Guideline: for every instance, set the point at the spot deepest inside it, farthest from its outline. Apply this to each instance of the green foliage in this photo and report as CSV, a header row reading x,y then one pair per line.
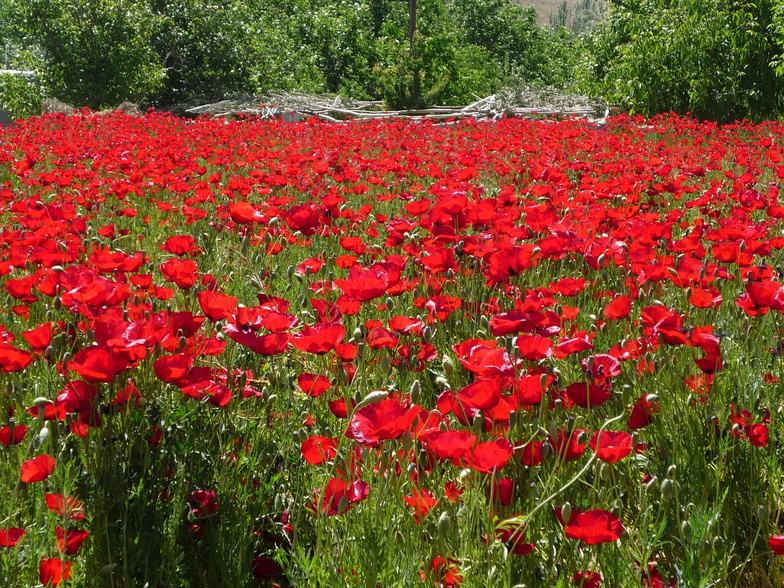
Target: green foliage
x,y
718,59
100,52
19,95
96,52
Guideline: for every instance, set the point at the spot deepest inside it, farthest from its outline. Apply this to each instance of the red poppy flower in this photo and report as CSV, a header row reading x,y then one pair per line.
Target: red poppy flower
x,y
567,446
364,285
242,213
619,308
757,434
317,450
179,245
513,536
70,540
37,469
531,453
387,419
529,389
77,397
265,567
183,272
320,338
11,536
587,395
216,306
449,444
481,394
53,571
489,457
39,338
502,491
611,446
587,579
13,359
338,497
9,436
96,364
422,501
312,384
643,412
601,366
776,544
594,527
171,368
214,393
65,506
535,347
484,358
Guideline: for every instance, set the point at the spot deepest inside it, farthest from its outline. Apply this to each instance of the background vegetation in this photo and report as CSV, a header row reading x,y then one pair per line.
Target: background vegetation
x,y
718,59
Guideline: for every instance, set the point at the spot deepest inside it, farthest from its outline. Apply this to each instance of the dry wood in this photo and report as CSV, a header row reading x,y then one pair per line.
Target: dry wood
x,y
290,106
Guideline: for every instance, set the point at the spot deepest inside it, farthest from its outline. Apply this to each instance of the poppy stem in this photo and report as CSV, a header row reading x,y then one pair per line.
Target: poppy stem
x,y
523,519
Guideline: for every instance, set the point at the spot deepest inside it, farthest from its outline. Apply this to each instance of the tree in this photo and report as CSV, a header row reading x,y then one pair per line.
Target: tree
x,y
714,58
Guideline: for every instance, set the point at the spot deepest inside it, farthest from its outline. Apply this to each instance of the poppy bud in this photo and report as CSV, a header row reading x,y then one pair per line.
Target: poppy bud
x,y
43,437
357,336
671,471
58,303
444,522
667,490
686,529
546,448
273,222
478,425
373,398
484,322
423,460
41,401
407,440
415,390
107,569
442,382
448,365
427,334
651,484
566,512
390,304
384,365
762,514
718,543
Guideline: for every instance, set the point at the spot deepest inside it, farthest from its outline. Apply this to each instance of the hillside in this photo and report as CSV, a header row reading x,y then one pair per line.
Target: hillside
x,y
546,8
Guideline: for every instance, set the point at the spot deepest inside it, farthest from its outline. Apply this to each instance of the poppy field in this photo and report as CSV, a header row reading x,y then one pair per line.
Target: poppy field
x,y
518,353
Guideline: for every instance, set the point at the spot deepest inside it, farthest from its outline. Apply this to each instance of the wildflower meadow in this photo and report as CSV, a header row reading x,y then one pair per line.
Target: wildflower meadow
x,y
391,353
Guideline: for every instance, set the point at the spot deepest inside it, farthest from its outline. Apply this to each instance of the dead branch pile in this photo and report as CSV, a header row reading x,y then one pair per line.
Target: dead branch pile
x,y
291,107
